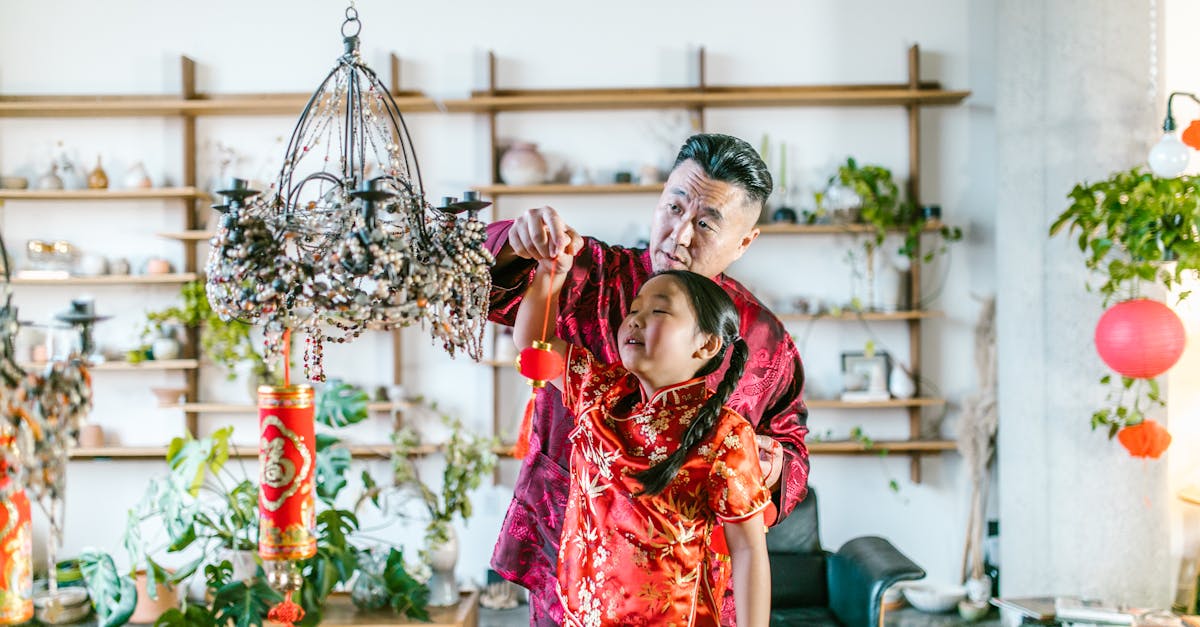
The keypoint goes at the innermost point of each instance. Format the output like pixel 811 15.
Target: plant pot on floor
pixel 147 609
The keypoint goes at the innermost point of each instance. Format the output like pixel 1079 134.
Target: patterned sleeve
pixel 735 482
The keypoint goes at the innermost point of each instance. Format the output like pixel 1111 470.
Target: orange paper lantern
pixel 1191 135
pixel 1145 439
pixel 1140 338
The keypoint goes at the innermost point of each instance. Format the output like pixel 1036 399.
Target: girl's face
pixel 659 340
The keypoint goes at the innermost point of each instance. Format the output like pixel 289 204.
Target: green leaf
pixel 340 404
pixel 192 616
pixel 332 464
pixel 244 604
pixel 112 595
pixel 1106 379
pixel 407 596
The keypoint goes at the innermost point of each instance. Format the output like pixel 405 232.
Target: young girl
pixel 656 460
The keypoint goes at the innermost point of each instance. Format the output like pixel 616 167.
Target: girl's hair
pixel 717 315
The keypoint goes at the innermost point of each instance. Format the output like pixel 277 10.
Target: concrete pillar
pixel 1075 102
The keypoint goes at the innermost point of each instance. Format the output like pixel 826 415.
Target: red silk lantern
pixel 1145 439
pixel 16 550
pixel 1140 338
pixel 287 516
pixel 540 364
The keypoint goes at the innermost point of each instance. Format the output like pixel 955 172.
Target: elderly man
pixel 704 221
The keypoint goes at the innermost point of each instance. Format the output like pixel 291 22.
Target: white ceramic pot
pixel 522 164
pixel 900 384
pixel 165 346
pixel 443 588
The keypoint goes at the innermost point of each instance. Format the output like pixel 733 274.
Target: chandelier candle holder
pixel 42 414
pixel 344 240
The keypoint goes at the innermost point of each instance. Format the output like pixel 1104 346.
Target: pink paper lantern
pixel 1140 338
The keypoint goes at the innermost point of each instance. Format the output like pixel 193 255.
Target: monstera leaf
pixel 407 595
pixel 237 603
pixel 112 595
pixel 340 404
pixel 333 462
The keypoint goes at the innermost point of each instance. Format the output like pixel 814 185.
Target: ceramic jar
pixel 522 164
pixel 443 587
pixel 97 178
pixel 50 180
pixel 137 178
pixel 165 346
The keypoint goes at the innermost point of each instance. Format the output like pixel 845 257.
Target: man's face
pixel 700 224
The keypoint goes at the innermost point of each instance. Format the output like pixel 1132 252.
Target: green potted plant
pixel 1135 230
pixel 207 510
pixel 881 207
pixel 469 457
pixel 225 343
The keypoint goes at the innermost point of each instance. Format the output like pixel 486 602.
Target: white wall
pixel 131 46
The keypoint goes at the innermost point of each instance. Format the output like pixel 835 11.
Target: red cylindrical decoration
pixel 1140 338
pixel 16 551
pixel 287 458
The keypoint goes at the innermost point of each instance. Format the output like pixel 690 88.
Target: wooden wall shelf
pixel 895 403
pixel 125 366
pixel 563 189
pixel 873 316
pixel 169 106
pixel 863 95
pixel 153 193
pixel 834 229
pixel 854 447
pixel 159 453
pixel 195 235
pixel 109 279
pixel 237 408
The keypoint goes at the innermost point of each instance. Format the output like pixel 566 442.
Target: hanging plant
pixel 882 208
pixel 1136 230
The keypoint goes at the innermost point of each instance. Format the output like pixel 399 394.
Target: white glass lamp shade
pixel 1169 156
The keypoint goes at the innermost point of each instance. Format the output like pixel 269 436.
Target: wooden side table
pixel 339 610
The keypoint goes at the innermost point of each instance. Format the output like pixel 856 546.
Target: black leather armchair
pixel 814 588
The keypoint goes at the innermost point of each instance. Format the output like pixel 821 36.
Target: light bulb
pixel 1169 156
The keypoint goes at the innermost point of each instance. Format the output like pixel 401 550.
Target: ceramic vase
pixel 97 178
pixel 522 164
pixel 165 346
pixel 50 180
pixel 443 588
pixel 137 178
pixel 900 384
pixel 147 609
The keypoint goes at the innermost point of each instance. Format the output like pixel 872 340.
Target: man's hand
pixel 770 459
pixel 541 234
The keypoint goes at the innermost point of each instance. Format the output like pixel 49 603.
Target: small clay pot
pixel 148 610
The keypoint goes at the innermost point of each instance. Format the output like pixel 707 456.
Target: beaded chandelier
pixel 345 239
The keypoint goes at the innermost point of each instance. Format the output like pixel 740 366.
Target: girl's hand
pixel 561 264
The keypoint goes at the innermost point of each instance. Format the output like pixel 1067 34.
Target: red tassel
pixel 521 448
pixel 286 613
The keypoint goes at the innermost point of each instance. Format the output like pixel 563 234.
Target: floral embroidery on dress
pixel 642 560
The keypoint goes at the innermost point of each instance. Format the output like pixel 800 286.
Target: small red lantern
pixel 1140 338
pixel 540 364
pixel 1145 439
pixel 287 459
